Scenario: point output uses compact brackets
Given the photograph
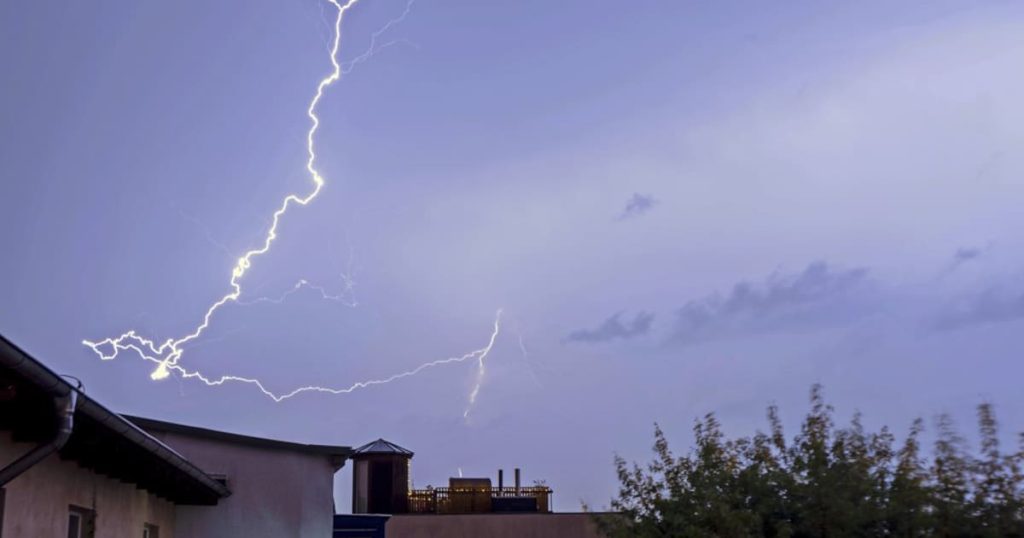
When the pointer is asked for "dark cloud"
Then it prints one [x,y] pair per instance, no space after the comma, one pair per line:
[819,295]
[965,254]
[614,328]
[994,305]
[637,205]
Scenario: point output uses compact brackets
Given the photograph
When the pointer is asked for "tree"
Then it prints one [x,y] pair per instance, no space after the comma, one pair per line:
[908,512]
[827,482]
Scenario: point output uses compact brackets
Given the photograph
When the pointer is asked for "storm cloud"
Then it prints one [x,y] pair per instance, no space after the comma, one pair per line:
[614,328]
[817,296]
[637,205]
[966,254]
[993,305]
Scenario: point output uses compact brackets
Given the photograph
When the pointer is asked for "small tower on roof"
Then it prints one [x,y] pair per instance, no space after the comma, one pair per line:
[380,478]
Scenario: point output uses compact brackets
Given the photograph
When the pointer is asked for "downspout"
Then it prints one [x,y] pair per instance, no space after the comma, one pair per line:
[65,407]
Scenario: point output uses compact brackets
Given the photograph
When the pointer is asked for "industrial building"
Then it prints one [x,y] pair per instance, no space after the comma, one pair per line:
[384,505]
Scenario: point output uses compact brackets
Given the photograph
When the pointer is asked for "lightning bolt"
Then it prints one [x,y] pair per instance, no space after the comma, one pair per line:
[373,48]
[185,373]
[345,296]
[341,297]
[481,370]
[167,354]
[525,355]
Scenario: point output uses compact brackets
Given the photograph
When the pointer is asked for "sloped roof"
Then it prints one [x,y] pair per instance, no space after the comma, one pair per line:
[101,440]
[380,446]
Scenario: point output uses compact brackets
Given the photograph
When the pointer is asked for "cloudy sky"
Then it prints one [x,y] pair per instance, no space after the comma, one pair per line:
[680,207]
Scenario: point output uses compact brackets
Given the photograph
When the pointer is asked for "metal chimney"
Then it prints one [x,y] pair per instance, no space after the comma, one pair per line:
[501,479]
[517,480]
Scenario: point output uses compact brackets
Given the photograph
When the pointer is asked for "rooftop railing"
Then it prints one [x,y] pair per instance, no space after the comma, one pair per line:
[480,500]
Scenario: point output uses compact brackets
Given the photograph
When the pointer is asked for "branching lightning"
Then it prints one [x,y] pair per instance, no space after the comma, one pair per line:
[479,354]
[481,370]
[167,354]
[525,355]
[373,48]
[344,296]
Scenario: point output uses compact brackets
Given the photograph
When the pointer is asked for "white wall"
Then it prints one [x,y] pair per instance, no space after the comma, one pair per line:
[275,493]
[37,501]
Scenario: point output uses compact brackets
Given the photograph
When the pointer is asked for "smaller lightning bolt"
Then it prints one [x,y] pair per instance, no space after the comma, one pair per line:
[480,371]
[374,48]
[206,232]
[342,297]
[346,296]
[525,354]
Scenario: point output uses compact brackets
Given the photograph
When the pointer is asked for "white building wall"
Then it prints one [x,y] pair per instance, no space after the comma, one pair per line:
[37,502]
[275,493]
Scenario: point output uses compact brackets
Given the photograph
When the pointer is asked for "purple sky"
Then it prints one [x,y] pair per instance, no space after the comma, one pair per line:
[680,206]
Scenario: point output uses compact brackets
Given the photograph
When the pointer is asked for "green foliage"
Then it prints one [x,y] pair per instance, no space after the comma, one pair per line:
[826,482]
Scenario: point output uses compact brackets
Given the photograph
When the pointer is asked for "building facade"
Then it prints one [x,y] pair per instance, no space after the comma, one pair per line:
[58,498]
[71,468]
[278,488]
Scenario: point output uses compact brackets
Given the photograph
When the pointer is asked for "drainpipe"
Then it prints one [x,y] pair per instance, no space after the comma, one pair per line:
[65,406]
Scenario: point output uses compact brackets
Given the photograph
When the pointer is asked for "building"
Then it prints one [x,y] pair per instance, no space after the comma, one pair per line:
[278,488]
[380,478]
[73,468]
[70,467]
[384,505]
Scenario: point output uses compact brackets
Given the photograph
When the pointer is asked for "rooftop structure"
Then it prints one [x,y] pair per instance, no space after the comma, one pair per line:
[380,446]
[381,485]
[384,505]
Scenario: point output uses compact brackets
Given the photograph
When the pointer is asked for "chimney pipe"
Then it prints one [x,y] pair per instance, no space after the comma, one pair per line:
[517,480]
[501,479]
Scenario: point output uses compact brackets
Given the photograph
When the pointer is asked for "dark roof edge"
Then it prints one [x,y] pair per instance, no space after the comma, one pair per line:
[383,447]
[17,359]
[260,442]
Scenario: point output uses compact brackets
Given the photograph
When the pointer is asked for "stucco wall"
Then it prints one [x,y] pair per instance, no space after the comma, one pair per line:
[37,501]
[492,526]
[275,493]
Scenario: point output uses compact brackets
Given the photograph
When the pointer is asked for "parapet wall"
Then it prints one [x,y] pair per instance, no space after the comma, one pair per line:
[565,525]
